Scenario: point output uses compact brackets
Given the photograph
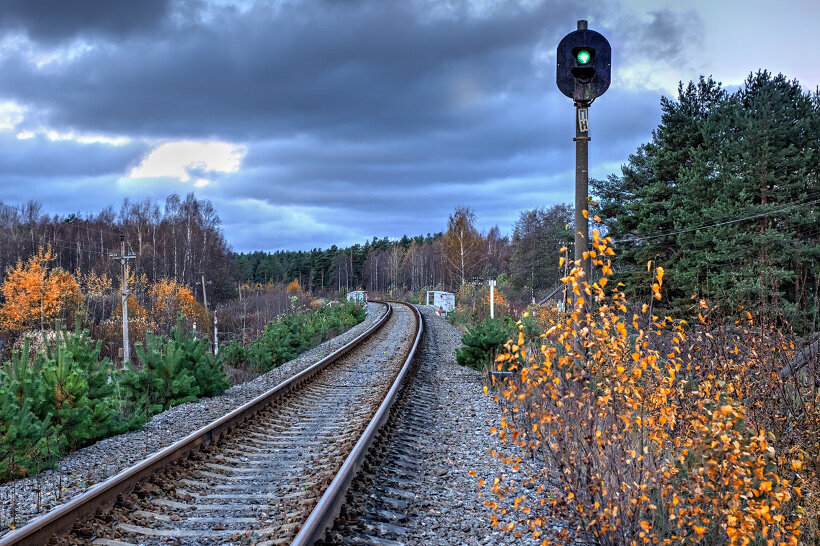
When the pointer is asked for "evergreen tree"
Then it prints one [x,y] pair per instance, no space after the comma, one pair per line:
[163,380]
[644,207]
[210,377]
[537,237]
[725,197]
[25,444]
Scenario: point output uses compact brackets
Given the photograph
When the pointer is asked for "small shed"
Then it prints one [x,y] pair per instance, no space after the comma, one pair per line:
[358,295]
[444,300]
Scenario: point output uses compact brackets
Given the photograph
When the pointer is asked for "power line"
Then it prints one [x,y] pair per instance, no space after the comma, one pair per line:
[717,224]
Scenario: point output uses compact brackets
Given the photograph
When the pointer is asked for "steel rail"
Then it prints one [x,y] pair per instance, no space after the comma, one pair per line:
[329,505]
[60,520]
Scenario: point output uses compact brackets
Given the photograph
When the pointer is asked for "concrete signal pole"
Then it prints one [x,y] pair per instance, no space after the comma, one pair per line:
[583,71]
[123,258]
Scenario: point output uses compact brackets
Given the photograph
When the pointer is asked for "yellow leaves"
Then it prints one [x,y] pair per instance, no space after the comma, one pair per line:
[597,219]
[35,294]
[293,287]
[669,436]
[168,297]
[585,212]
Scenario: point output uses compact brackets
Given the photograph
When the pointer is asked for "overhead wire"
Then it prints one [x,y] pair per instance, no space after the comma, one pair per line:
[718,224]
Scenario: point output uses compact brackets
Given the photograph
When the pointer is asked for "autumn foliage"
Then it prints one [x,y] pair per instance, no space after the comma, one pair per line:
[652,431]
[294,288]
[35,293]
[168,299]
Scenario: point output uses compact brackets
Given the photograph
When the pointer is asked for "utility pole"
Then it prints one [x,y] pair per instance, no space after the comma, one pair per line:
[205,295]
[123,258]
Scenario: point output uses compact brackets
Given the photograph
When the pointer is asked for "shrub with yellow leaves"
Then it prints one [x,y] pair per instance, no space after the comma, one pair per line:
[643,439]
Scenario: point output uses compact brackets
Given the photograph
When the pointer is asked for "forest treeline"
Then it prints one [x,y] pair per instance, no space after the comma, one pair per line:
[526,261]
[725,196]
[180,239]
[60,266]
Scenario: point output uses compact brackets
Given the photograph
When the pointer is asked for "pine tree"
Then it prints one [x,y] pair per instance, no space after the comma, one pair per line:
[725,197]
[24,445]
[210,377]
[163,380]
[645,206]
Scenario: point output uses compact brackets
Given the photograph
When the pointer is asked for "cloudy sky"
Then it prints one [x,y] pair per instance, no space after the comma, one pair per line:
[316,122]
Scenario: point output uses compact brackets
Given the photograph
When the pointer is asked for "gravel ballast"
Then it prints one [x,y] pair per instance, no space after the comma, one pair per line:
[447,504]
[442,502]
[78,471]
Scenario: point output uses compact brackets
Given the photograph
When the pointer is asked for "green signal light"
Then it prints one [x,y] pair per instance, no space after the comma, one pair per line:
[583,56]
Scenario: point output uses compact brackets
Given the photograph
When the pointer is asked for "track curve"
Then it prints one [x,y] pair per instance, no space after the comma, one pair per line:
[276,458]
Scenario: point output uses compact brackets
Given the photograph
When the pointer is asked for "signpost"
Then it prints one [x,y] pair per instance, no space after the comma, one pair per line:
[492,298]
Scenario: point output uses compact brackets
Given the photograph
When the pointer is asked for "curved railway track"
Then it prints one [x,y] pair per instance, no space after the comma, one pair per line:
[274,471]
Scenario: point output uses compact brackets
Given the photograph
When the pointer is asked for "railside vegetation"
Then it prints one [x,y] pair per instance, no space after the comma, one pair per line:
[652,430]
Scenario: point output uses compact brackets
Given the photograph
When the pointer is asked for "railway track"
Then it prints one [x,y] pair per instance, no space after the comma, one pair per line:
[381,506]
[274,471]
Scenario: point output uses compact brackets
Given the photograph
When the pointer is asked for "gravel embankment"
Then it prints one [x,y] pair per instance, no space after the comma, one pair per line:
[420,486]
[448,507]
[78,471]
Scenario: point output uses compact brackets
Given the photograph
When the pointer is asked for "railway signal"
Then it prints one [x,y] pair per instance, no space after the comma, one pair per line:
[584,64]
[583,74]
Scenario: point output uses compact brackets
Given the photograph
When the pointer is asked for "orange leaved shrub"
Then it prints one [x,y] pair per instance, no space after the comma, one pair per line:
[650,431]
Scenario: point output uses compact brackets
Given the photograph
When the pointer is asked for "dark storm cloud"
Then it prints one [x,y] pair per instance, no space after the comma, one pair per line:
[342,69]
[41,159]
[360,118]
[667,37]
[52,21]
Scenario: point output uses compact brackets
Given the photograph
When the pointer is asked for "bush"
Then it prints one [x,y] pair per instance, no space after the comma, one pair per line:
[23,445]
[289,335]
[482,343]
[233,354]
[60,400]
[650,431]
[173,371]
